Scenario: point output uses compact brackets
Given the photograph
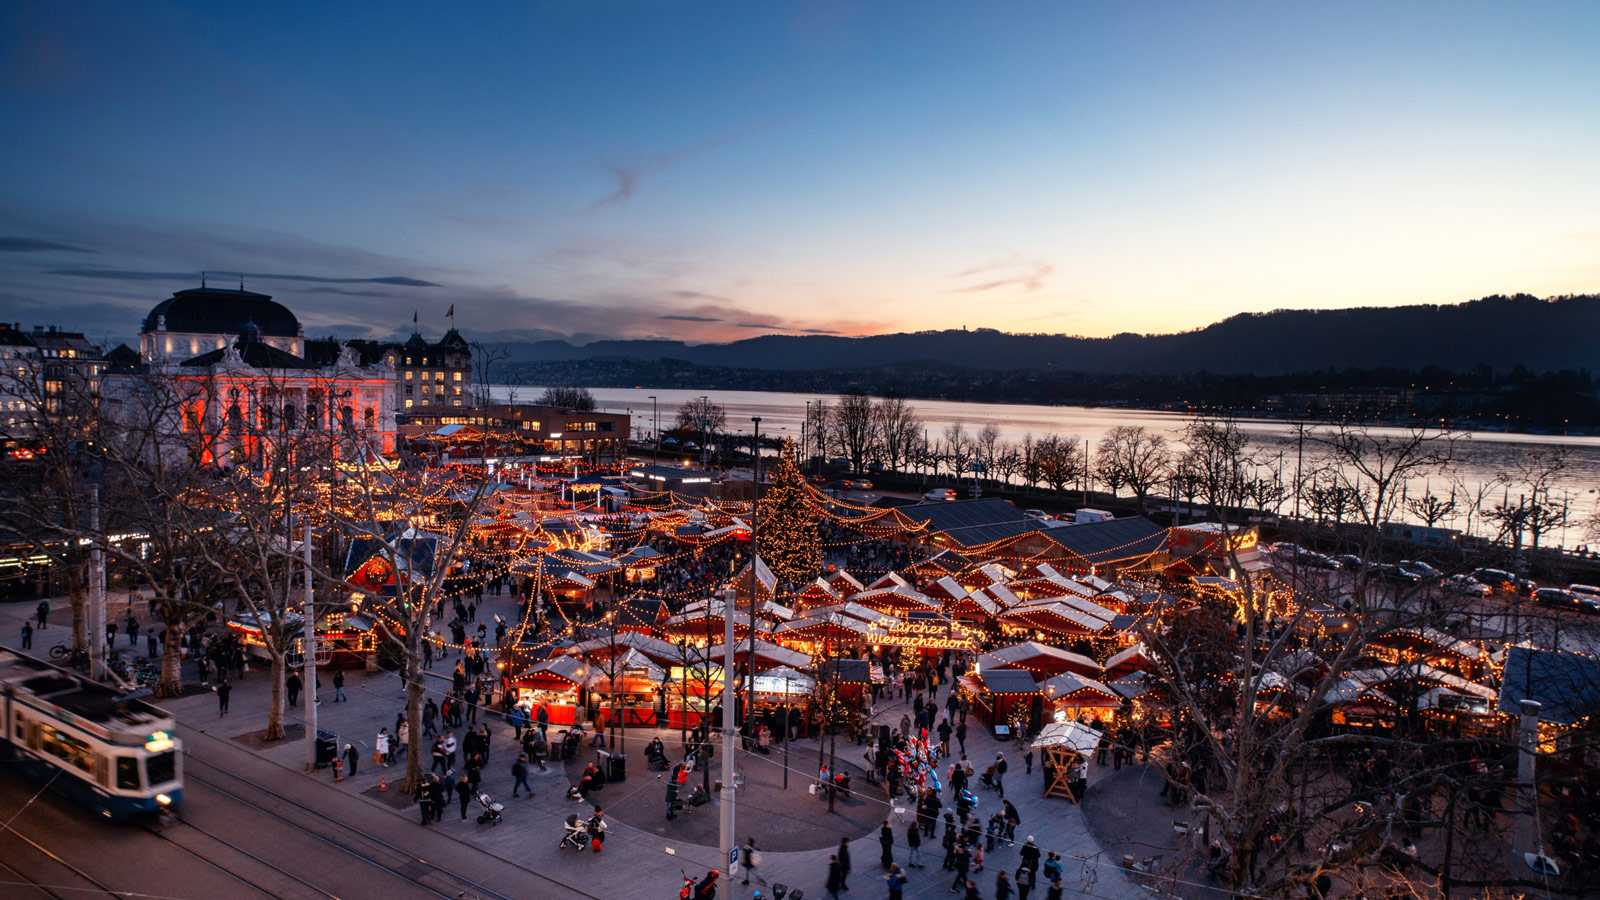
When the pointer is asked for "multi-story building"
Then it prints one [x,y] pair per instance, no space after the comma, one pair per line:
[253,386]
[43,372]
[437,374]
[541,431]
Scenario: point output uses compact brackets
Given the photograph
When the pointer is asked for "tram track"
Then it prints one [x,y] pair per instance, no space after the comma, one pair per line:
[402,865]
[54,890]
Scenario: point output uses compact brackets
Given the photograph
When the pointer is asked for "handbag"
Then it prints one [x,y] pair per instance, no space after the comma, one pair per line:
[377,757]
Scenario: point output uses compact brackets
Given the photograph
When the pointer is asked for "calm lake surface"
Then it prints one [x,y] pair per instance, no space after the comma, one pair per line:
[1477,459]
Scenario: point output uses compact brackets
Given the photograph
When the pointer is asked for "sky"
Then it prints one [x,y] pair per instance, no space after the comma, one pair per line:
[712,171]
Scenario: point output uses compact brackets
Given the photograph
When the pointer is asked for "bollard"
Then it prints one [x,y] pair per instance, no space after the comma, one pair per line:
[338,770]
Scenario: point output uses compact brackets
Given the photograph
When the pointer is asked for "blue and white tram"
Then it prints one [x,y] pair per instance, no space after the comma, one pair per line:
[117,755]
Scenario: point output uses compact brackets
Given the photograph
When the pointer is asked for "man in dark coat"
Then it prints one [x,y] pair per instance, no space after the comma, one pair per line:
[844,864]
[464,793]
[835,878]
[886,841]
[914,845]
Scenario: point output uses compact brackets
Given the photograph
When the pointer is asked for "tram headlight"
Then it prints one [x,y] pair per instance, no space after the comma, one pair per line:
[164,799]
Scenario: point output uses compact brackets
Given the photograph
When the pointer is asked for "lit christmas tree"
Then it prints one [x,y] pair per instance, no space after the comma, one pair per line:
[786,524]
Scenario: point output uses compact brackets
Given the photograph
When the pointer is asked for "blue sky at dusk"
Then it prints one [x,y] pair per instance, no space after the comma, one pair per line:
[716,171]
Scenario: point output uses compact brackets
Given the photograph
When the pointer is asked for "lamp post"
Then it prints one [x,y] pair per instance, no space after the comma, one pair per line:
[655,418]
[705,427]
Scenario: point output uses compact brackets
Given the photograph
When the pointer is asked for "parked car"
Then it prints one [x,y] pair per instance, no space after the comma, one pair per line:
[1036,514]
[1466,586]
[1422,570]
[1315,560]
[1585,591]
[1501,580]
[940,494]
[1556,598]
[1394,574]
[1284,549]
[1349,561]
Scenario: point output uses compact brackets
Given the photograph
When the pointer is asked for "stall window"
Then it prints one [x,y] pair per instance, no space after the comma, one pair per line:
[127,773]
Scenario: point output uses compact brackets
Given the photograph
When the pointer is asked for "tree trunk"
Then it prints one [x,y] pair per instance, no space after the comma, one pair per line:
[171,684]
[275,708]
[80,612]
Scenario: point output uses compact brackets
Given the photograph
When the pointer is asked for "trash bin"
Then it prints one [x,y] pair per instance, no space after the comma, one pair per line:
[614,766]
[327,748]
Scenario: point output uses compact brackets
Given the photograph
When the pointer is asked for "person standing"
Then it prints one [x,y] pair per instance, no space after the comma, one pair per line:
[351,757]
[750,859]
[542,719]
[913,846]
[292,684]
[961,735]
[42,613]
[886,842]
[27,635]
[131,626]
[402,734]
[338,686]
[464,794]
[223,690]
[1054,891]
[844,864]
[425,799]
[380,748]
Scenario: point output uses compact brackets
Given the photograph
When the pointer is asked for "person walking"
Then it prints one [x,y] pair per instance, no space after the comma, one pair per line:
[351,757]
[27,635]
[440,793]
[1000,774]
[1054,892]
[223,690]
[464,794]
[886,842]
[913,846]
[402,736]
[750,859]
[896,880]
[519,775]
[972,891]
[430,717]
[292,684]
[961,861]
[1024,881]
[835,881]
[844,864]
[961,734]
[542,720]
[441,763]
[338,687]
[1002,885]
[380,748]
[1012,820]
[450,749]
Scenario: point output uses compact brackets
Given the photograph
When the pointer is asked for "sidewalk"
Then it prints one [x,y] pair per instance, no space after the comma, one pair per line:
[643,852]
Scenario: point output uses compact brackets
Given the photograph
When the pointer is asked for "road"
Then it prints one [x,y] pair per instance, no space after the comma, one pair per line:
[246,829]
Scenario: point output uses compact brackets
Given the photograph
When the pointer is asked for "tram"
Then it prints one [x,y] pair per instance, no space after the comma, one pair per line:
[117,755]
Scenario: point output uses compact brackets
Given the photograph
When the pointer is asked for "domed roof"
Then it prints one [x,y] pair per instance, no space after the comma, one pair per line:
[222,311]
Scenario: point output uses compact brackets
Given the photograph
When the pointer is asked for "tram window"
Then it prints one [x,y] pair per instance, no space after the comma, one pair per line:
[161,768]
[127,773]
[65,747]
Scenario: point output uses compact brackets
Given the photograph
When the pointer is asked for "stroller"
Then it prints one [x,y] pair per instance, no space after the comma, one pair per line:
[491,810]
[576,836]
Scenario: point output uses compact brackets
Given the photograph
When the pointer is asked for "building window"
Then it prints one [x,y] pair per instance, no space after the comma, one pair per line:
[408,374]
[408,403]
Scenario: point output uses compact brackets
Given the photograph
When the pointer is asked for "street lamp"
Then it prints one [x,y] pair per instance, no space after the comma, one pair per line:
[655,416]
[755,451]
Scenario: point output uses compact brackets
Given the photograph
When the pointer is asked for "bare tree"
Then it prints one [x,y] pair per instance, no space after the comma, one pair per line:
[899,431]
[573,398]
[487,363]
[956,450]
[854,427]
[1061,462]
[1431,508]
[1133,455]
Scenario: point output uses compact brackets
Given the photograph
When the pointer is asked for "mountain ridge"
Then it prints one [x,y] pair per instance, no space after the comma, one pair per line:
[1499,331]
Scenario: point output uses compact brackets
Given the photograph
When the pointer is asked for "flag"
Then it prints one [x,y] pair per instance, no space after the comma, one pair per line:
[452,313]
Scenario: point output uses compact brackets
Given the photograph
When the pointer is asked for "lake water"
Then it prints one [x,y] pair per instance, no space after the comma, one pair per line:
[1477,457]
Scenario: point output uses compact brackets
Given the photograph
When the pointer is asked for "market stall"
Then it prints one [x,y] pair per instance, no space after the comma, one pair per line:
[555,684]
[634,695]
[1001,695]
[1064,749]
[1071,697]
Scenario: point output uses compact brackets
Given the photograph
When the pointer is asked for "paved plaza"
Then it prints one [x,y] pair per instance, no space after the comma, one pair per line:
[644,852]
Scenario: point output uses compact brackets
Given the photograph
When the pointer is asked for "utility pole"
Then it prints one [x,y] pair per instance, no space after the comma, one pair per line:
[98,662]
[308,659]
[755,556]
[730,696]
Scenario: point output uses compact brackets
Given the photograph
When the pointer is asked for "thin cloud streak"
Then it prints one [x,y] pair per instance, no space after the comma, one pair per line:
[35,245]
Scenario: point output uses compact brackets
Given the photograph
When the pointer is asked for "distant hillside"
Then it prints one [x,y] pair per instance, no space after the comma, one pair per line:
[1498,332]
